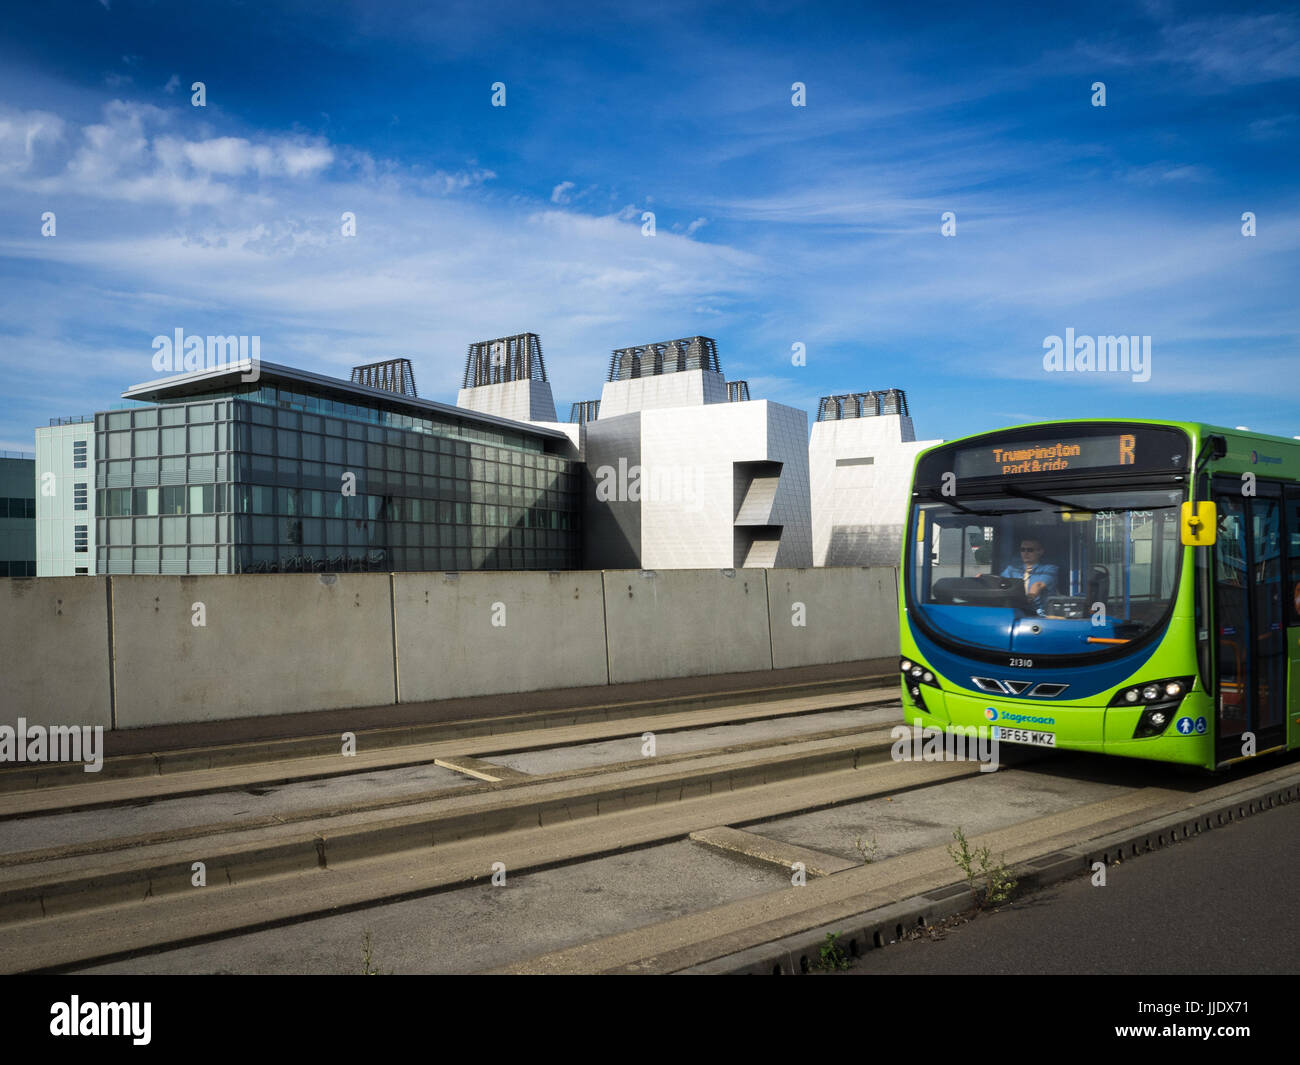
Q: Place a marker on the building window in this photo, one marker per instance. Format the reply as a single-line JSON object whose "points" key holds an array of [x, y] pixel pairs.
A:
{"points": [[79, 496], [81, 571], [80, 537], [78, 454]]}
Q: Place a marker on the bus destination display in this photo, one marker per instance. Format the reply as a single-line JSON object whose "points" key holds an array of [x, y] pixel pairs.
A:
{"points": [[1067, 454]]}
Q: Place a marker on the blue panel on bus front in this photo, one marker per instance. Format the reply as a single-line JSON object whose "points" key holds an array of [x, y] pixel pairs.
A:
{"points": [[1084, 680], [1058, 636], [984, 626]]}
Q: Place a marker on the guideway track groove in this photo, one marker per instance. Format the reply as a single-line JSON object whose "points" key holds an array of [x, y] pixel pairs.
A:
{"points": [[91, 791], [172, 918], [63, 883], [229, 755], [104, 845]]}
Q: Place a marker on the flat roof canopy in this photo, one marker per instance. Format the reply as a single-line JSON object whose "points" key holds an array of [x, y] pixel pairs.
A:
{"points": [[198, 382]]}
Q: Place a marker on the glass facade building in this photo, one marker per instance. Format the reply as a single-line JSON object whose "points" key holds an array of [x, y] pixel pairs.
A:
{"points": [[17, 515], [298, 473]]}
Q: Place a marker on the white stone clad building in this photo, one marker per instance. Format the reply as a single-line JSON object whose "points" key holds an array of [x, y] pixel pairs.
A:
{"points": [[860, 462], [682, 471]]}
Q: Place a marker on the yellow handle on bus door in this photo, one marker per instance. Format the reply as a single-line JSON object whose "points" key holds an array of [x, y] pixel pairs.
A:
{"points": [[1200, 524]]}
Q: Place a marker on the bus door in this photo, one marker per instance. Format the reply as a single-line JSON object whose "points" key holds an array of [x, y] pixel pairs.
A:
{"points": [[1249, 620], [1291, 607]]}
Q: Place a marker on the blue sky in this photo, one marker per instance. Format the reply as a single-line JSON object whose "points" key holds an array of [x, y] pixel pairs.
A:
{"points": [[775, 224]]}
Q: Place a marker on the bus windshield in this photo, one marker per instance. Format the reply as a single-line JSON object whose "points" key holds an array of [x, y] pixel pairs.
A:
{"points": [[1052, 572]]}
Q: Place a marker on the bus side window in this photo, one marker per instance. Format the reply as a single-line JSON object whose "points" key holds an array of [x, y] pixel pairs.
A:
{"points": [[1292, 518]]}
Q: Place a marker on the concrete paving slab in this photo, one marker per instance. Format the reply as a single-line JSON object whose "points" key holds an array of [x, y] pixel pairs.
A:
{"points": [[891, 825], [732, 927], [481, 926], [735, 929]]}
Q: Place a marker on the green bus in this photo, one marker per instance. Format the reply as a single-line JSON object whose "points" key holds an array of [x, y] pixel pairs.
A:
{"points": [[1123, 587]]}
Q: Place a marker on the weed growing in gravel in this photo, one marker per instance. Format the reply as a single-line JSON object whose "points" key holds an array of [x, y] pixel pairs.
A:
{"points": [[367, 958], [979, 865], [832, 954], [866, 849]]}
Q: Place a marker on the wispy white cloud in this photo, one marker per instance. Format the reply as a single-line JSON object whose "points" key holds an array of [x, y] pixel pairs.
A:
{"points": [[1228, 49], [1241, 49], [128, 156], [438, 260], [23, 136]]}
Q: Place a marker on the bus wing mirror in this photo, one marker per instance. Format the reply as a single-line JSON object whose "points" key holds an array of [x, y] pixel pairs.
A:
{"points": [[1200, 524]]}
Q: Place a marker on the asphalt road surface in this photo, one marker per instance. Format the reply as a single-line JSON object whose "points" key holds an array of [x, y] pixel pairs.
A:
{"points": [[1221, 903]]}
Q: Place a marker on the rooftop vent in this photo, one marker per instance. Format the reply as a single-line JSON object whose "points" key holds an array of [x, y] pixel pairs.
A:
{"points": [[664, 356], [494, 362], [862, 405], [587, 410], [393, 375], [737, 391]]}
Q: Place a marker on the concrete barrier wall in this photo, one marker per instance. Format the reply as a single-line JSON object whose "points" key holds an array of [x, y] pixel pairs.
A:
{"points": [[685, 622], [54, 650], [487, 633], [287, 643], [832, 615], [269, 644]]}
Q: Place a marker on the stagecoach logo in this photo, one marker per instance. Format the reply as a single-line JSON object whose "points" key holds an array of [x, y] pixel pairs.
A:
{"points": [[1256, 457], [1018, 719]]}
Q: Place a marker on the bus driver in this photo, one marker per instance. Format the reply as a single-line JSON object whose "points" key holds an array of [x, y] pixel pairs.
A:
{"points": [[1040, 579]]}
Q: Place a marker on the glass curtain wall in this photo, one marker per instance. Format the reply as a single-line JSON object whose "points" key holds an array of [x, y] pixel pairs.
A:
{"points": [[231, 485]]}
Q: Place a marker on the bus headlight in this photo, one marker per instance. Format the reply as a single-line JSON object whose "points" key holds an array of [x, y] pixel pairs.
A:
{"points": [[1162, 691], [914, 676], [1159, 701]]}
